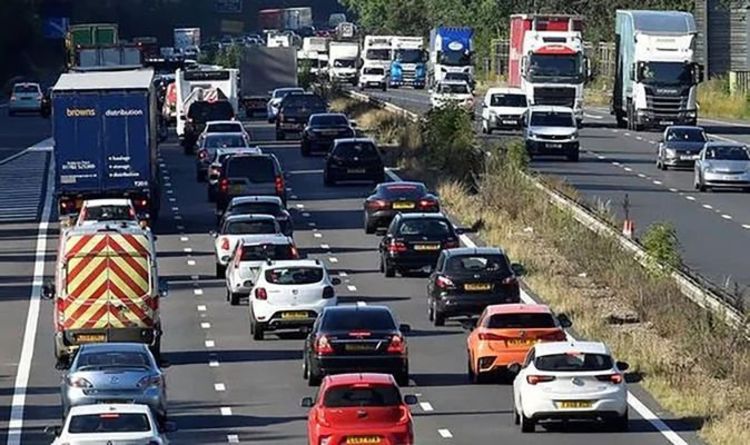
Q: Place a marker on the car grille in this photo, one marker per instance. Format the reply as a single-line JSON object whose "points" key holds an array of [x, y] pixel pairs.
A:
{"points": [[565, 97], [553, 137]]}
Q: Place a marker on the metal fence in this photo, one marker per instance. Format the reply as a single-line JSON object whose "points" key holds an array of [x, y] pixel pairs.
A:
{"points": [[739, 82]]}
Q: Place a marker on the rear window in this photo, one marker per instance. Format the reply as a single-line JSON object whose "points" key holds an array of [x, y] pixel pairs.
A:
{"points": [[479, 263], [266, 208], [508, 100], [283, 93], [356, 149], [294, 275], [329, 120], [407, 191], [107, 213], [728, 153], [303, 101], [256, 227], [109, 423], [224, 128], [573, 361], [350, 320], [211, 111], [111, 359], [26, 89], [426, 227], [521, 321], [263, 252], [254, 168], [226, 141], [362, 396]]}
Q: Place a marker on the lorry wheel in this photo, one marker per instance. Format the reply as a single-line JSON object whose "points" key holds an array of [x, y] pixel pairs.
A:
{"points": [[620, 120]]}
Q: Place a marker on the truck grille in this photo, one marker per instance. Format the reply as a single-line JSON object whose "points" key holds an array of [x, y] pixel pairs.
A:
{"points": [[667, 103], [561, 96], [409, 74]]}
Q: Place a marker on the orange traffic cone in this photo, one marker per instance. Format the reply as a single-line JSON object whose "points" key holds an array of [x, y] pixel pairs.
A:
{"points": [[628, 228]]}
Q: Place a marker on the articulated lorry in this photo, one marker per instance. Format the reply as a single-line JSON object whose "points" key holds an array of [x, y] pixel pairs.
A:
{"points": [[546, 60], [656, 76], [104, 124], [107, 57], [89, 35], [262, 70], [451, 51], [408, 67]]}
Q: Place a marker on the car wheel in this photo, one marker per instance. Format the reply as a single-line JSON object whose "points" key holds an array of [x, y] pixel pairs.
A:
{"points": [[156, 348], [430, 312], [700, 186], [234, 299], [257, 330], [527, 424], [438, 317], [369, 226], [313, 379], [621, 423], [220, 270], [402, 377], [389, 270], [327, 180], [469, 370], [305, 369], [516, 417]]}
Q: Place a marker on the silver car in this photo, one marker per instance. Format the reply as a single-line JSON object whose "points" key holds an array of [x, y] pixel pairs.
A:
{"points": [[115, 373], [26, 96], [551, 131], [722, 165]]}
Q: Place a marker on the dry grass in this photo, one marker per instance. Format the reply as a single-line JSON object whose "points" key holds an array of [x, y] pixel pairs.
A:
{"points": [[598, 93], [386, 127], [714, 100]]}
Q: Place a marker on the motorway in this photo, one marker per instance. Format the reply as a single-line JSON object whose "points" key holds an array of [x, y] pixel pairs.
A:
{"points": [[713, 227], [226, 388]]}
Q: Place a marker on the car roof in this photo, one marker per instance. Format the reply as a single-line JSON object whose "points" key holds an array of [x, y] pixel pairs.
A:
{"points": [[723, 144], [502, 90], [683, 127], [255, 198], [249, 217], [453, 82], [364, 377], [402, 183], [562, 347], [293, 263], [354, 140], [107, 202], [327, 114], [268, 238], [112, 347], [551, 108], [26, 84], [518, 308], [224, 134], [228, 121], [359, 308], [108, 408], [121, 227], [437, 215], [479, 250], [249, 149], [289, 89]]}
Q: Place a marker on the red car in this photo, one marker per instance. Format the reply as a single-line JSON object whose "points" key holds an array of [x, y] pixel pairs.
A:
{"points": [[359, 409]]}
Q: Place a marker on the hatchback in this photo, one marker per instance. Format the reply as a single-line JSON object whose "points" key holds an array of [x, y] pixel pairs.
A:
{"points": [[355, 159], [250, 174]]}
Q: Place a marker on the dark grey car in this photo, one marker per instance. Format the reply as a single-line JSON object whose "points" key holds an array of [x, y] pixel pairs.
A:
{"points": [[680, 146]]}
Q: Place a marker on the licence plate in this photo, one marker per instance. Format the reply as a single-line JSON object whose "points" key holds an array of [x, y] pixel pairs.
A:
{"points": [[293, 315], [426, 247], [666, 123], [329, 132], [509, 122], [403, 205], [575, 404], [357, 347], [477, 286], [554, 145], [521, 342], [362, 440], [689, 157], [91, 338], [355, 170]]}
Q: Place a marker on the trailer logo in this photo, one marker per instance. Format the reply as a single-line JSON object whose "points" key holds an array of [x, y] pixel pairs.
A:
{"points": [[455, 46], [80, 112], [123, 113]]}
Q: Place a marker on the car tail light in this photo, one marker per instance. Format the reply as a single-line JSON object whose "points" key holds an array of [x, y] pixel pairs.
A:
{"points": [[613, 378], [203, 154], [378, 204], [488, 336], [279, 185], [396, 246], [141, 203], [403, 416], [451, 244], [397, 345], [510, 281], [149, 380], [224, 185], [323, 346], [225, 243], [294, 252], [534, 379], [261, 294], [79, 382], [444, 282], [238, 257], [427, 204], [328, 292]]}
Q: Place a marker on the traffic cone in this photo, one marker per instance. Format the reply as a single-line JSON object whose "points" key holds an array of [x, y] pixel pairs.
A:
{"points": [[628, 228]]}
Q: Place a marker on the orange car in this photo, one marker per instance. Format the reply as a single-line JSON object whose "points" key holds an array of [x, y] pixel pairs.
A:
{"points": [[504, 333]]}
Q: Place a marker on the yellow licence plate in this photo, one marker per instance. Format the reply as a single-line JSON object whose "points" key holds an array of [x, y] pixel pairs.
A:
{"points": [[575, 404], [293, 315], [362, 440], [426, 247], [477, 286], [521, 342], [91, 338], [403, 205]]}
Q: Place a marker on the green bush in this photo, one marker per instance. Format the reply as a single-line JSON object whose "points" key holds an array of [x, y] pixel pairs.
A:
{"points": [[662, 244], [450, 143]]}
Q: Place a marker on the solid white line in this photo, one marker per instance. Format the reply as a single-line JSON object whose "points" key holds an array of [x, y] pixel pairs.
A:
{"points": [[15, 422], [220, 387], [233, 438], [426, 406], [226, 411], [445, 433]]}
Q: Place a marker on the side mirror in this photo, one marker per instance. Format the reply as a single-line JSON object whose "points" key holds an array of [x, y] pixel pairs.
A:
{"points": [[564, 321], [622, 366], [514, 368], [469, 324], [213, 233], [404, 328], [163, 288], [48, 290], [306, 402], [410, 399], [335, 281], [169, 427], [52, 430], [353, 124], [518, 269]]}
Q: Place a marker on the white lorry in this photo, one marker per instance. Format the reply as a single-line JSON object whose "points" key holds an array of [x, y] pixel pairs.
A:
{"points": [[315, 52], [187, 41], [342, 62], [186, 81]]}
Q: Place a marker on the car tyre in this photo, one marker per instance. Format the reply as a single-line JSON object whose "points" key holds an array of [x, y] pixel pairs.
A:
{"points": [[313, 379], [621, 423], [430, 310], [402, 377], [370, 226], [469, 370], [220, 270], [527, 424], [388, 270], [234, 299], [257, 330], [327, 180], [438, 317]]}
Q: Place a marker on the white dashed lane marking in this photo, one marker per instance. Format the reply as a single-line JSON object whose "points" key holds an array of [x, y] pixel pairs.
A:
{"points": [[690, 198], [201, 308], [206, 325], [225, 411], [198, 291], [233, 438], [333, 259], [445, 433], [707, 206], [220, 387], [426, 406], [352, 288], [725, 216], [210, 343]]}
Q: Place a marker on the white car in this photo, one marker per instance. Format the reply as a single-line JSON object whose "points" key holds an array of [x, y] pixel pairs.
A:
{"points": [[569, 380], [453, 91], [551, 130], [111, 423], [290, 295], [226, 126], [277, 95], [247, 258], [254, 227], [373, 77], [503, 108], [117, 210]]}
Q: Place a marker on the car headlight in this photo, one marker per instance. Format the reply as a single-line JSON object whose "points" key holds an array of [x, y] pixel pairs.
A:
{"points": [[531, 134], [574, 135], [709, 170], [671, 152]]}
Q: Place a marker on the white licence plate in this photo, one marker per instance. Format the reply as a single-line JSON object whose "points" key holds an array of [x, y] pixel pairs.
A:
{"points": [[553, 145], [666, 123], [509, 122], [689, 157]]}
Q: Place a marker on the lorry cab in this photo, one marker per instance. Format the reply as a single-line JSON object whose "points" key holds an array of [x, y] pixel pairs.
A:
{"points": [[106, 288], [342, 62], [451, 50], [408, 67]]}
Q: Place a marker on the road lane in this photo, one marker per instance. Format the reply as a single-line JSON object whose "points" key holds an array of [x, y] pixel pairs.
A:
{"points": [[21, 131]]}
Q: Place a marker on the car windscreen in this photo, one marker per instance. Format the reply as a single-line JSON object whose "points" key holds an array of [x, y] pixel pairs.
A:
{"points": [[26, 89], [686, 135], [521, 321], [356, 320], [107, 213], [573, 361], [361, 150], [261, 252], [329, 120], [373, 71], [447, 88], [266, 208], [225, 141], [253, 227], [495, 264], [210, 111], [551, 119], [402, 191], [378, 54], [361, 396], [431, 227], [224, 128], [294, 275], [508, 100], [728, 153], [344, 63], [112, 359], [109, 423], [257, 169]]}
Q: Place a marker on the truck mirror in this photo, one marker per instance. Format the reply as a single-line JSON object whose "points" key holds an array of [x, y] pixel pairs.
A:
{"points": [[633, 72], [698, 73]]}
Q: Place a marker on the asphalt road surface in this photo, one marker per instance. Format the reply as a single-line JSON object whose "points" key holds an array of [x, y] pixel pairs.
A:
{"points": [[713, 227], [20, 131], [226, 388]]}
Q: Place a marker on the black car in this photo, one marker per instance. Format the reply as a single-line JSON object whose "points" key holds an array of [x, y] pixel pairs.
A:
{"points": [[260, 205], [200, 112], [356, 338], [355, 159], [390, 198], [250, 175], [322, 129], [295, 110], [680, 146], [414, 241], [466, 280]]}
